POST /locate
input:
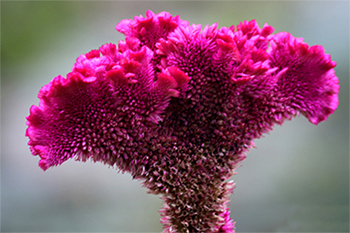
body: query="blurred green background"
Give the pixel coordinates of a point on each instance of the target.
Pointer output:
(297, 180)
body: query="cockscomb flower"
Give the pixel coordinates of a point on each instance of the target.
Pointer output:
(178, 106)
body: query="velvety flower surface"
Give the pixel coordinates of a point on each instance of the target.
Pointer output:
(103, 108)
(178, 105)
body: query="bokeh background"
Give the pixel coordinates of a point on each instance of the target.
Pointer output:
(297, 180)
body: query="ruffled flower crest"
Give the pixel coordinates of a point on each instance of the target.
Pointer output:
(178, 105)
(307, 81)
(150, 29)
(94, 111)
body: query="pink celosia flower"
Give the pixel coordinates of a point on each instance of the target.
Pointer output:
(178, 105)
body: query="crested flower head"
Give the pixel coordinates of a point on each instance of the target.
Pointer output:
(107, 101)
(178, 105)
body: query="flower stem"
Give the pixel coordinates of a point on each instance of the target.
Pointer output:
(198, 208)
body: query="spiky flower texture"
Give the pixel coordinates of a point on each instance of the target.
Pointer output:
(178, 105)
